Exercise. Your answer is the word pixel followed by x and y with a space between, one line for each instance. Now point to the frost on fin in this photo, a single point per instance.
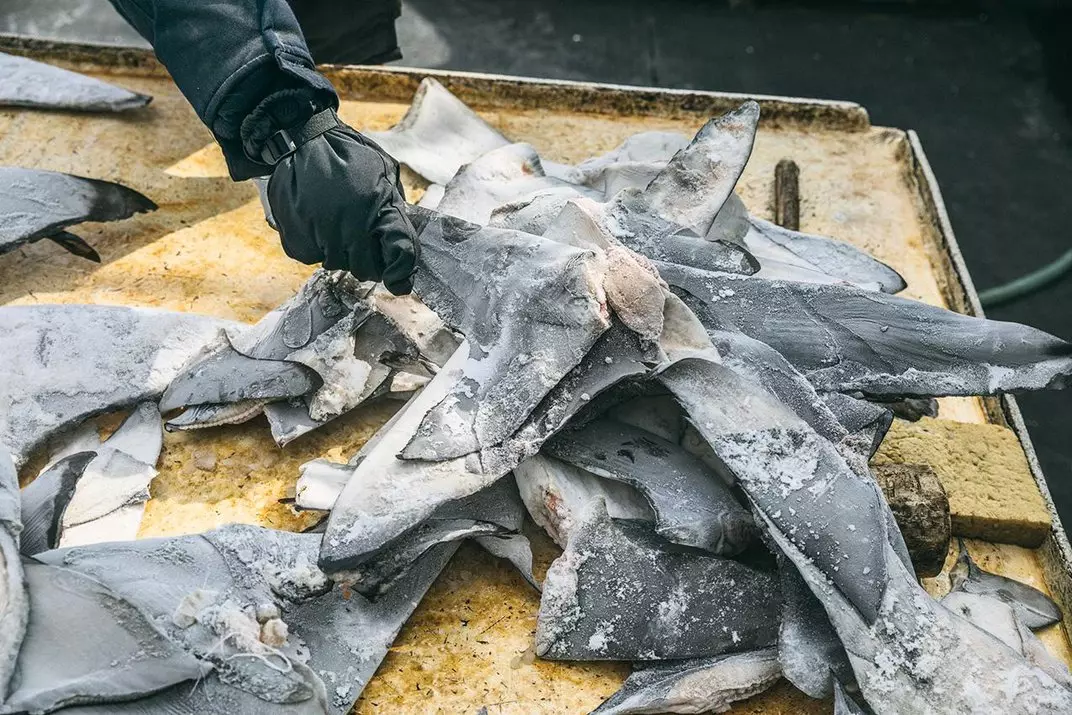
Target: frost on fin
pixel 700 178
pixel 118 653
pixel 14 604
pixel 693 507
pixel 530 310
pixel 256 363
pixel 359 359
pixel 28 83
pixel 493 517
pixel 619 593
pixel 244 601
pixel 793 476
pixel 845 339
pixel 71 362
pixel 336 356
pixel 924 658
pixel 809 651
pixel 507 175
pixel 763 365
pixel 698 685
pixel 438 135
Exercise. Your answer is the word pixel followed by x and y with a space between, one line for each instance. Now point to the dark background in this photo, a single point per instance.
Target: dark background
pixel 987 85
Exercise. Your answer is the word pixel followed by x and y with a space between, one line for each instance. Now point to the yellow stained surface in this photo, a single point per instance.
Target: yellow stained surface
pixel 208 250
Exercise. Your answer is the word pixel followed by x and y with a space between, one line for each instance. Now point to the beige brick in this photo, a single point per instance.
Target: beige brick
pixel 992 494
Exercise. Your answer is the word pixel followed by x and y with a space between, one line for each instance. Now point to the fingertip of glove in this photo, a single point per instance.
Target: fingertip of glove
pixel 399 287
pixel 302 252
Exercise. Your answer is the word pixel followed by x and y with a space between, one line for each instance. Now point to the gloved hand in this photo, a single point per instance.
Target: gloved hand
pixel 334 194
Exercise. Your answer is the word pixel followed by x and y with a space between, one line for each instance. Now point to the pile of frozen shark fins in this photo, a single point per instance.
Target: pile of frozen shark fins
pixel 686 397
pixel 335 345
pixel 682 395
pixel 235 621
pixel 37 204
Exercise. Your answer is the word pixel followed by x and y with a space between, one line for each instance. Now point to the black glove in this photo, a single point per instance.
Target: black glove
pixel 335 195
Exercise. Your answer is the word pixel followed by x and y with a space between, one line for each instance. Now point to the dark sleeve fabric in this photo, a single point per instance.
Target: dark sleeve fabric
pixel 227 56
pixel 350 32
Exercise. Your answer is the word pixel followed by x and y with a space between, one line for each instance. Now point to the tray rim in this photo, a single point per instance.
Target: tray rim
pixel 486 91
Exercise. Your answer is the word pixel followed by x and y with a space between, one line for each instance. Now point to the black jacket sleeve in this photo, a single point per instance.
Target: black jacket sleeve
pixel 226 56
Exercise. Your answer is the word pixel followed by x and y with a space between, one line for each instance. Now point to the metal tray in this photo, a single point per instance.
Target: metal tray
pixel 208 250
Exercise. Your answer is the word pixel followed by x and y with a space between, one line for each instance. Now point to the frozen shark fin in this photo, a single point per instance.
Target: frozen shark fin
pixel 692 188
pixel 28 83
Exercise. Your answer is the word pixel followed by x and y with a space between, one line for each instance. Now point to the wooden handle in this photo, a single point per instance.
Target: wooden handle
pixel 787 195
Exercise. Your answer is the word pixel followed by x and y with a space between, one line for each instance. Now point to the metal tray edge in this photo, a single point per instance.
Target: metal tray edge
pixel 485 90
pixel 1055 552
pixel 489 91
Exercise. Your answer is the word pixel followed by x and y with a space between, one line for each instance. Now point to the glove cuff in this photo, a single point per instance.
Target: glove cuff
pixel 275 128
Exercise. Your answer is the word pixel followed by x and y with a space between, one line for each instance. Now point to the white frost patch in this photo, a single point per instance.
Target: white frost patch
pixel 320 484
pixel 599 640
pixel 303 576
pixel 560 608
pixel 274 633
